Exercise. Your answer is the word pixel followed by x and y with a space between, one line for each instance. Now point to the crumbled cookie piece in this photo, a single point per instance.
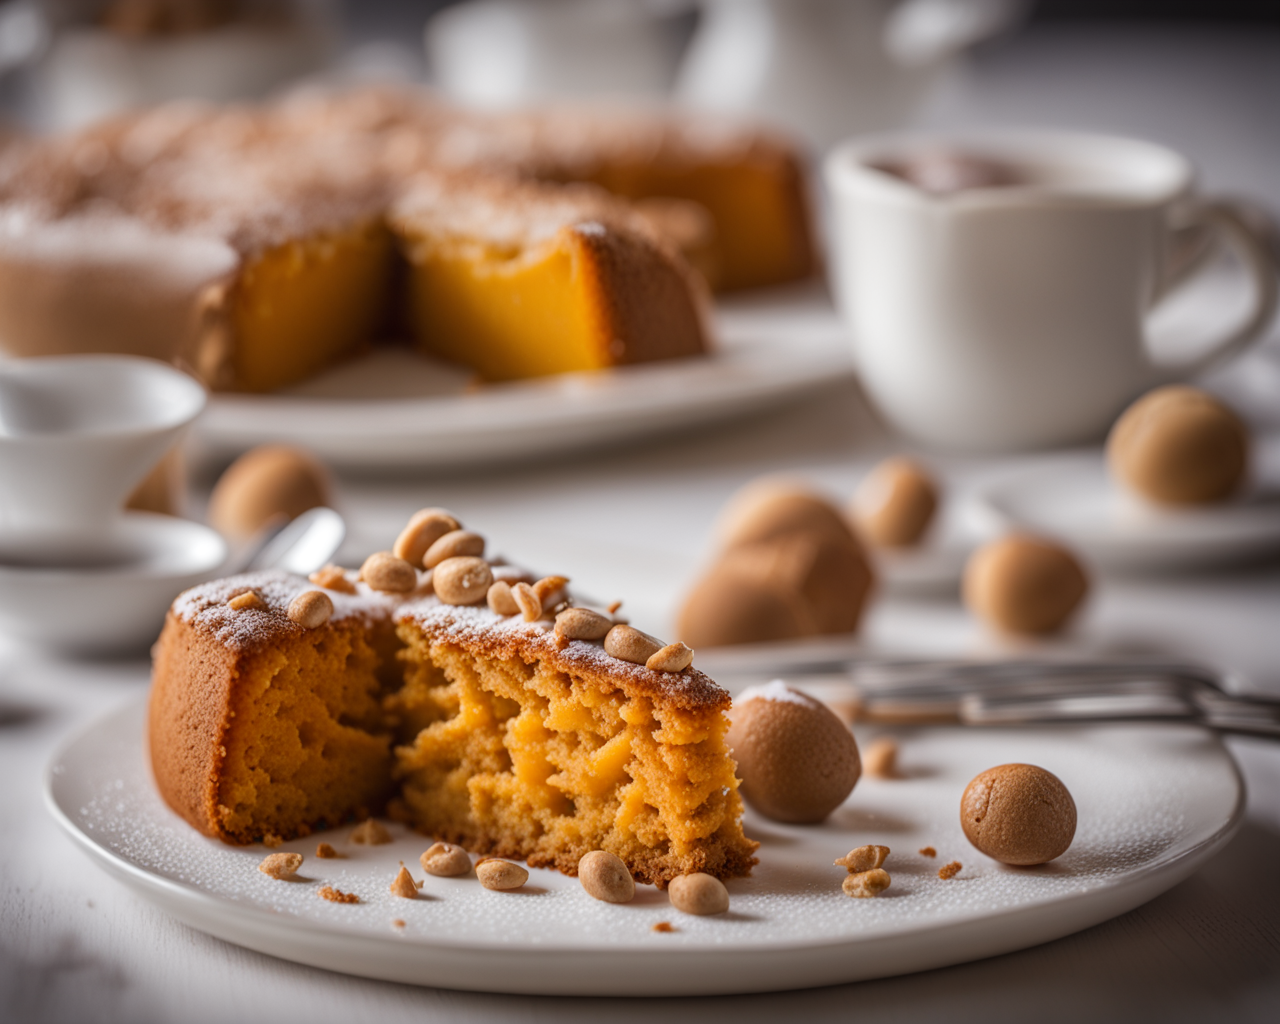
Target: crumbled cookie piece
pixel 326 852
pixel 370 832
pixel 949 870
pixel 664 926
pixel 863 858
pixel 404 886
pixel 271 841
pixel 281 865
pixel 928 851
pixel 866 884
pixel 337 895
pixel 880 759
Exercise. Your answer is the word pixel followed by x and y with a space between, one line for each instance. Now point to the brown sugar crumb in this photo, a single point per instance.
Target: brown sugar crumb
pixel 337 895
pixel 281 865
pixel 404 886
pixel 271 841
pixel 370 833
pixel 664 926
pixel 928 851
pixel 949 870
pixel 326 852
pixel 397 923
pixel 249 599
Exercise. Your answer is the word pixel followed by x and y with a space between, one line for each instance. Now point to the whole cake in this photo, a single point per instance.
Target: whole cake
pixel 481 711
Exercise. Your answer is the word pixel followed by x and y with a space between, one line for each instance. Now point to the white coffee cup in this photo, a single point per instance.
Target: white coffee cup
pixel 1013 316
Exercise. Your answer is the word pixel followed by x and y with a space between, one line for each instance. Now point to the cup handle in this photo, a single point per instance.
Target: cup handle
pixel 1225 219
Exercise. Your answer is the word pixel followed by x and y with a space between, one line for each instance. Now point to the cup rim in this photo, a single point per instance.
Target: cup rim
pixel 846 168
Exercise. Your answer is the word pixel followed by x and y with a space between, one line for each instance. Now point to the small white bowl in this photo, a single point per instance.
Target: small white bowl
pixel 116 604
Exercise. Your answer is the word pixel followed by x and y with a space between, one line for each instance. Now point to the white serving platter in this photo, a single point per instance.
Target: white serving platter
pixel 1154 803
pixel 394 409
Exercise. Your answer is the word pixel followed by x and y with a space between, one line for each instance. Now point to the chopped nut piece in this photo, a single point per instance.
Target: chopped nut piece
pixel 271 840
pixel 311 609
pixel 928 851
pixel 404 886
pixel 501 600
pixel 550 590
pixel 385 572
pixel 605 877
pixel 281 865
pixel 501 874
pixel 455 544
pixel 326 852
pixel 663 926
pixel 880 759
pixel 337 895
pixel 333 577
pixel 864 858
pixel 949 870
pixel 426 526
pixel 698 893
pixel 582 624
pixel 445 860
pixel 370 833
pixel 249 599
pixel 674 657
pixel 527 599
pixel 865 884
pixel 463 580
pixel 628 644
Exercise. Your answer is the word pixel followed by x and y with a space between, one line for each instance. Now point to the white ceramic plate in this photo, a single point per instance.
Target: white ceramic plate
pixel 1075 500
pixel 395 409
pixel 1154 803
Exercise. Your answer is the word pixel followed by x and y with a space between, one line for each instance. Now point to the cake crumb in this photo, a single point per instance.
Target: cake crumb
pixel 281 865
pixel 663 926
pixel 404 886
pixel 371 832
pixel 928 851
pixel 397 923
pixel 337 895
pixel 880 759
pixel 271 841
pixel 949 870
pixel 326 852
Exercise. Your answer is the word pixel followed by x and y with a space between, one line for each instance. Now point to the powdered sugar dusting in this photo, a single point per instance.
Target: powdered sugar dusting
pixel 777 691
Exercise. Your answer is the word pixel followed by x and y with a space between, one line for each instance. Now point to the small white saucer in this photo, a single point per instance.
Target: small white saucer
pixel 1075 500
pixel 116 603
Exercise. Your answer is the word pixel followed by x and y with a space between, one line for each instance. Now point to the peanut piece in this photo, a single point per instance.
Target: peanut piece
pixel 501 874
pixel 549 589
pixel 880 759
pixel 332 577
pixel 698 894
pixel 426 526
pixel 501 600
pixel 249 599
pixel 281 865
pixel 527 598
pixel 463 580
pixel 864 858
pixel 605 877
pixel 582 624
pixel 404 886
pixel 865 884
pixel 445 860
pixel 311 609
pixel 385 572
pixel 455 544
pixel 674 657
pixel 628 644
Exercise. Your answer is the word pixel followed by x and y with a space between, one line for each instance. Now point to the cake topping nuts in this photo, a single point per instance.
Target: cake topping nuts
pixel 550 590
pixel 605 877
pixel 249 599
pixel 404 886
pixel 501 600
pixel 582 624
pixel 426 526
pixel 674 657
pixel 462 580
pixel 629 644
pixel 370 832
pixel 866 884
pixel 501 874
pixel 385 572
pixel 281 865
pixel 455 544
pixel 333 577
pixel 311 609
pixel 864 858
pixel 445 860
pixel 698 893
pixel 527 600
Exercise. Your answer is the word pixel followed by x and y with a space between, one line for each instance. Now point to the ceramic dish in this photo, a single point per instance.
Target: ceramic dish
pixel 1074 499
pixel 1154 803
pixel 396 409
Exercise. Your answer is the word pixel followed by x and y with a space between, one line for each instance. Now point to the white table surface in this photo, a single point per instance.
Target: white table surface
pixel 76 946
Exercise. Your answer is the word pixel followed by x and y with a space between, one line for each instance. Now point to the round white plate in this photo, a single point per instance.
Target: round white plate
pixel 396 409
pixel 1154 803
pixel 1074 499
